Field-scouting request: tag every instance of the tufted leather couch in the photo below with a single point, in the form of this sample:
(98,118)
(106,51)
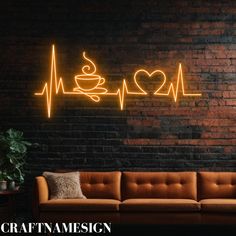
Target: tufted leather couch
(144,197)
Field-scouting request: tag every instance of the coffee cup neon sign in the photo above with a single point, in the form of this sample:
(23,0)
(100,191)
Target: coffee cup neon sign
(91,84)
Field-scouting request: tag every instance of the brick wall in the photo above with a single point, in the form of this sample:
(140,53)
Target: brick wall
(152,133)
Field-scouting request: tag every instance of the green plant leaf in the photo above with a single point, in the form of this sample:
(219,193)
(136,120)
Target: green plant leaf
(26,143)
(16,146)
(14,134)
(13,150)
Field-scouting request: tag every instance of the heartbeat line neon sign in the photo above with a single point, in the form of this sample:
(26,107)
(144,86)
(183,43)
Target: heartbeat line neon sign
(91,84)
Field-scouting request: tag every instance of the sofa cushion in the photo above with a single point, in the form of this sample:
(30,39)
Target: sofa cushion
(216,185)
(163,205)
(172,185)
(80,205)
(102,185)
(64,185)
(218,205)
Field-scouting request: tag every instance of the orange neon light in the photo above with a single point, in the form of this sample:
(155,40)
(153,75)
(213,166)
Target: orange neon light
(90,84)
(180,82)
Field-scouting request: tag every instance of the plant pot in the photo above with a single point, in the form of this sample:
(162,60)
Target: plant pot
(12,185)
(17,188)
(3,185)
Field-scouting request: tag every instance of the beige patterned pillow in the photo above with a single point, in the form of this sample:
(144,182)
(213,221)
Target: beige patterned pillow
(64,185)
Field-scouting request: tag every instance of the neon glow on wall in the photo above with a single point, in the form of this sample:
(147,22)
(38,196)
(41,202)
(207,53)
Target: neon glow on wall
(91,85)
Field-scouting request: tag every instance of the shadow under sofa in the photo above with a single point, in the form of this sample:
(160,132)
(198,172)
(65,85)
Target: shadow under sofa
(144,197)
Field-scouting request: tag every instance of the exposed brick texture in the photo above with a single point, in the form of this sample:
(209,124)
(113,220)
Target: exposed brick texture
(152,133)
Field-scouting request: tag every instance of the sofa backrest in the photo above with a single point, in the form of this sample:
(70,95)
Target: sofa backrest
(101,184)
(216,185)
(159,185)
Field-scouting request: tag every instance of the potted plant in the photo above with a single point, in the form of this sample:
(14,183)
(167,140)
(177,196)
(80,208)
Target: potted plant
(13,150)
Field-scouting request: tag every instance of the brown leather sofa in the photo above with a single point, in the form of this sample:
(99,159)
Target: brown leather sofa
(144,197)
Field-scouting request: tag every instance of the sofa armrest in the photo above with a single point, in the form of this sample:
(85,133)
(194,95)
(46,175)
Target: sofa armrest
(41,194)
(41,189)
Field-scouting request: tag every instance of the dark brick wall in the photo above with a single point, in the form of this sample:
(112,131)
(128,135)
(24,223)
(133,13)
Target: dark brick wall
(152,133)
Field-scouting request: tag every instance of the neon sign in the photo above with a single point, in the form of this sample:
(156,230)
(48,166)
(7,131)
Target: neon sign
(91,84)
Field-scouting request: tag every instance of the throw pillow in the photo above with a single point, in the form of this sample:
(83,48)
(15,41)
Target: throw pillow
(64,185)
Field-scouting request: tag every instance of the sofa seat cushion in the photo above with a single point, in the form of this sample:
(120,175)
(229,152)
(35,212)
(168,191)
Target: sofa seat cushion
(218,205)
(80,205)
(162,205)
